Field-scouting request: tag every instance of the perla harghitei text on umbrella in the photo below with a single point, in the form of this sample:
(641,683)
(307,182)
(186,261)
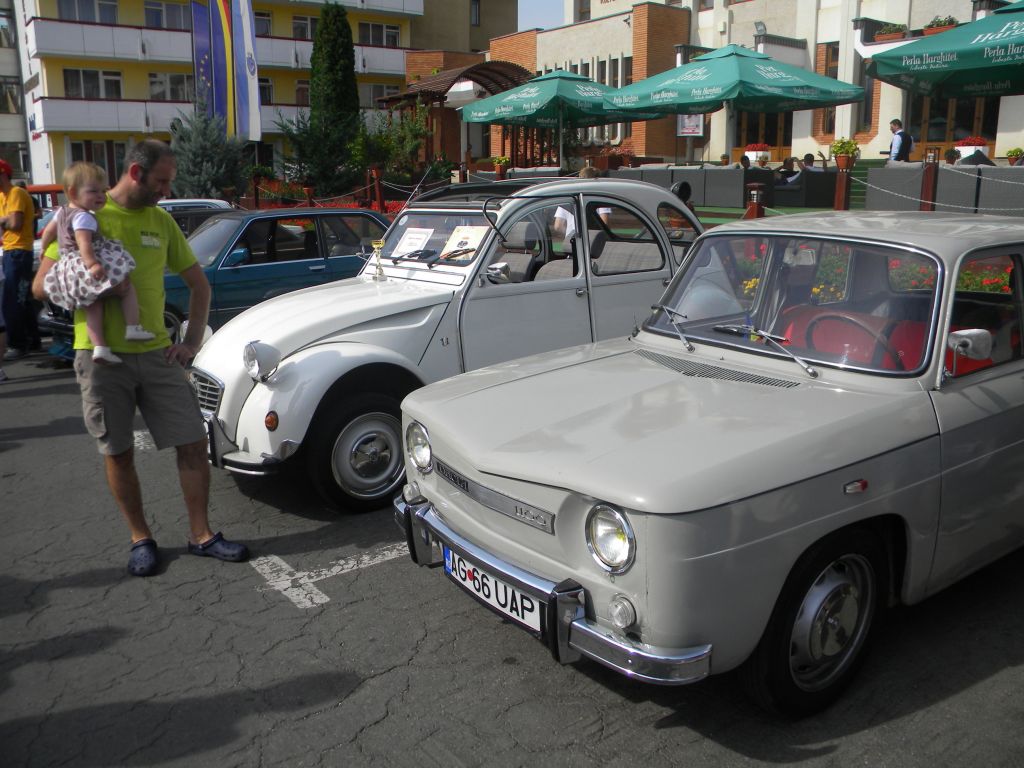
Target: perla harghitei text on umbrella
(557,99)
(982,58)
(746,79)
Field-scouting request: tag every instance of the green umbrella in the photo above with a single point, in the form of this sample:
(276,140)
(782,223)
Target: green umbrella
(982,58)
(739,76)
(553,100)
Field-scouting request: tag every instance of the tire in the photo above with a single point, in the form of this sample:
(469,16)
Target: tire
(355,459)
(818,633)
(172,322)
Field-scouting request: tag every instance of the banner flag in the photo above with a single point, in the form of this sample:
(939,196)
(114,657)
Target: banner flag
(223,63)
(202,53)
(247,83)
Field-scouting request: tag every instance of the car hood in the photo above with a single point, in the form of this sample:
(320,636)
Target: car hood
(617,423)
(294,320)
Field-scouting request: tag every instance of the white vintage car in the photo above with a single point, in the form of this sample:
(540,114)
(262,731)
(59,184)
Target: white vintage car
(824,416)
(474,275)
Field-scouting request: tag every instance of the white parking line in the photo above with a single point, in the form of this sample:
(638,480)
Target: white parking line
(298,587)
(144,440)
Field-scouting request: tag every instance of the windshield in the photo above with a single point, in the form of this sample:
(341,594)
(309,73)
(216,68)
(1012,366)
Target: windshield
(433,239)
(209,240)
(848,304)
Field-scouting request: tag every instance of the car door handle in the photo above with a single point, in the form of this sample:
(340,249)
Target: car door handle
(581,291)
(317,268)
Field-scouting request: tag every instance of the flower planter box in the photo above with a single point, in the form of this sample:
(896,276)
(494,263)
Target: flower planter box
(843,162)
(967,151)
(936,30)
(885,37)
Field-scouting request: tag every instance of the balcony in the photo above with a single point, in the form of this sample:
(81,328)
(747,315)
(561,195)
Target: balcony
(76,115)
(271,114)
(372,60)
(52,37)
(286,53)
(401,7)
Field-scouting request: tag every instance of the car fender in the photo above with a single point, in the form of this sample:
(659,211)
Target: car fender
(299,386)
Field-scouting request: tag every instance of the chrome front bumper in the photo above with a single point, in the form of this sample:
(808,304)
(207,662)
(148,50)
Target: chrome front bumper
(567,631)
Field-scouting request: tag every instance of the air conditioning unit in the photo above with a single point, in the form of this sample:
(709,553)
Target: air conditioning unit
(721,28)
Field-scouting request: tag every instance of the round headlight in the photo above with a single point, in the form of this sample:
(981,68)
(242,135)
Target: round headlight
(260,360)
(610,539)
(417,443)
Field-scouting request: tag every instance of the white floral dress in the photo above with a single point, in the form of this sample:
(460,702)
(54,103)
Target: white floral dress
(68,284)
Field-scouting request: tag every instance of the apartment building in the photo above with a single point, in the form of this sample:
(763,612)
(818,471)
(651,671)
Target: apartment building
(13,135)
(99,75)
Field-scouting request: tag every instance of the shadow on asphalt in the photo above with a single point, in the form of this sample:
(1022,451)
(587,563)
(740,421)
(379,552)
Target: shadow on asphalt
(145,732)
(24,596)
(65,647)
(920,656)
(290,492)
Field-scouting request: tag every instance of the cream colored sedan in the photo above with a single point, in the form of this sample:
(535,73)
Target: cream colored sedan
(821,417)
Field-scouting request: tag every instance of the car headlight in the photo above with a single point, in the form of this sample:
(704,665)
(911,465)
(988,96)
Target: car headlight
(610,539)
(260,360)
(417,444)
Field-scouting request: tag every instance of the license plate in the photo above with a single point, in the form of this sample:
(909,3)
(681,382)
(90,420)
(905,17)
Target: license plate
(506,600)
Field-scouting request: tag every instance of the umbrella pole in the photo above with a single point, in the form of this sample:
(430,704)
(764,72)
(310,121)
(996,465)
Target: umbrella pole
(561,159)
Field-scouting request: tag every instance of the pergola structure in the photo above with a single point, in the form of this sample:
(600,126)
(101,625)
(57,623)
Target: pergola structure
(524,146)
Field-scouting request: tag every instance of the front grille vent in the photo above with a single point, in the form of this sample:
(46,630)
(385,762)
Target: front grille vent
(705,371)
(208,391)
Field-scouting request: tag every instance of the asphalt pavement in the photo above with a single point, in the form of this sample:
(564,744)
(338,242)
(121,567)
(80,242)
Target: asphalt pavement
(332,649)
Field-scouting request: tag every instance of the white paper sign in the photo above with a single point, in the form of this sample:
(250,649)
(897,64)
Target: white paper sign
(413,239)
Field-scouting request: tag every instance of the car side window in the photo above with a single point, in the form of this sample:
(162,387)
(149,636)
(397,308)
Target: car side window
(679,229)
(346,235)
(294,239)
(988,296)
(256,240)
(620,242)
(539,245)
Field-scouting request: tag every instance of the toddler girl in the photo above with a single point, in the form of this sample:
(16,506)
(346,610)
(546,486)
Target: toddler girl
(90,265)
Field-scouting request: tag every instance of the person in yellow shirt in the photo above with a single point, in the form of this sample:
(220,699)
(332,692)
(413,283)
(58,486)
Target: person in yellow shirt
(17,221)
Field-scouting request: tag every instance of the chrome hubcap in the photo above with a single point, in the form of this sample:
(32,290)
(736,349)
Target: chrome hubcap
(832,622)
(367,460)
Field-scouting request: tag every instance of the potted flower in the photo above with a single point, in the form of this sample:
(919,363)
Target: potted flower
(501,163)
(844,152)
(971,144)
(940,24)
(758,152)
(890,32)
(1014,155)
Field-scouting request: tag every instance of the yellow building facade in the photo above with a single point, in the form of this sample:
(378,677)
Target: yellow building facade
(100,75)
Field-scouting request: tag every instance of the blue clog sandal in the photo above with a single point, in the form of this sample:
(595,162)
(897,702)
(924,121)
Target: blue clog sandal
(144,558)
(222,549)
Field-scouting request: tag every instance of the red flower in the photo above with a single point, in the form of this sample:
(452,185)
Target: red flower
(971,141)
(894,263)
(1006,289)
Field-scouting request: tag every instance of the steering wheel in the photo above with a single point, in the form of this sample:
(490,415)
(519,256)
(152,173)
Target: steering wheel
(879,338)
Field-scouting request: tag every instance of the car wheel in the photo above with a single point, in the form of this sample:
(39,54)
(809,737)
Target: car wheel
(818,632)
(172,322)
(355,459)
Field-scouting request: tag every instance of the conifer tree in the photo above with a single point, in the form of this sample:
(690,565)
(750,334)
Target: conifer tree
(208,162)
(321,142)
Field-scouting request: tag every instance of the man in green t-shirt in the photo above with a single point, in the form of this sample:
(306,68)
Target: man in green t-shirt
(151,376)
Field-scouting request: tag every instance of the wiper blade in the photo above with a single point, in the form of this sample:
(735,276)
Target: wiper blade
(456,253)
(672,314)
(422,254)
(773,339)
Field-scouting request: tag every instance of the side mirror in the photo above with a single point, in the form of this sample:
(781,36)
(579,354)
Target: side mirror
(973,343)
(499,273)
(237,258)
